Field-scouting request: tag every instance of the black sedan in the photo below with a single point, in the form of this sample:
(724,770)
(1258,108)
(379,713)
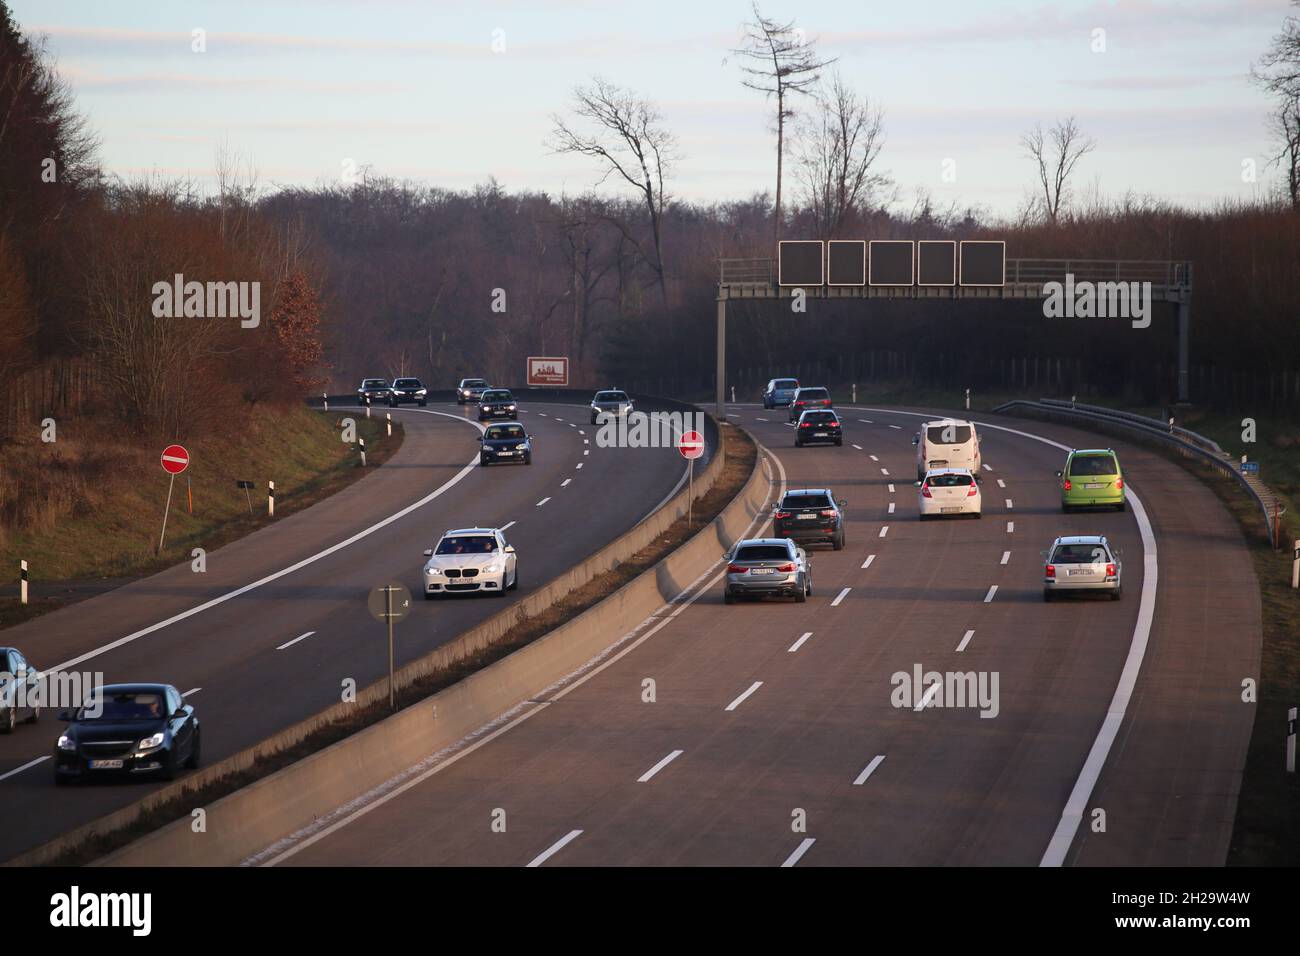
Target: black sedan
(128,730)
(407,390)
(497,403)
(505,443)
(372,391)
(810,515)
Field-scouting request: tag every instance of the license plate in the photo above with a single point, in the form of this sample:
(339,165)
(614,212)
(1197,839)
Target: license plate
(1082,571)
(820,434)
(807,517)
(949,511)
(760,570)
(106,765)
(1093,486)
(505,454)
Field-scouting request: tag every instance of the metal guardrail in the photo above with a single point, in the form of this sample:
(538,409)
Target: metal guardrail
(1188,443)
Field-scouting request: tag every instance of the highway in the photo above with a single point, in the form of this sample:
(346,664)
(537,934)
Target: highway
(268,634)
(772,739)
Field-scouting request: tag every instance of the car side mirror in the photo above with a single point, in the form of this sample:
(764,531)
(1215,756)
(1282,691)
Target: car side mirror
(842,502)
(1058,474)
(915,440)
(180,713)
(510,549)
(917,484)
(428,552)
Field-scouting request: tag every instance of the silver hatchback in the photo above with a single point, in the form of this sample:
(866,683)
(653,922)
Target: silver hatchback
(759,567)
(1084,562)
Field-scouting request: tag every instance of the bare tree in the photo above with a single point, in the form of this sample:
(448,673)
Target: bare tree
(1056,152)
(633,144)
(780,62)
(1285,127)
(841,146)
(1278,70)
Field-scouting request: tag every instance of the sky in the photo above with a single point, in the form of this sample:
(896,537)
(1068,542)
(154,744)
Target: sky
(450,94)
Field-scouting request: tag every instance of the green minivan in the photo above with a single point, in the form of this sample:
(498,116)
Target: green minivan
(1092,478)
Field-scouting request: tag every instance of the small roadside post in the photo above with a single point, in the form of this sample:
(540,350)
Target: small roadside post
(691,446)
(388,422)
(367,406)
(968,399)
(362,443)
(248,493)
(390,603)
(270,499)
(1295,564)
(22,581)
(325,400)
(175,459)
(1290,740)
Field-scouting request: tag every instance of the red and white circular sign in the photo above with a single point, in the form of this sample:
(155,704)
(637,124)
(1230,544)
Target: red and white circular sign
(175,459)
(691,445)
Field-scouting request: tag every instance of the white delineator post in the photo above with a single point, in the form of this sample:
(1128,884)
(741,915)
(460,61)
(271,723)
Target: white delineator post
(388,420)
(325,400)
(270,498)
(362,443)
(1290,740)
(1295,564)
(855,393)
(367,406)
(968,399)
(22,581)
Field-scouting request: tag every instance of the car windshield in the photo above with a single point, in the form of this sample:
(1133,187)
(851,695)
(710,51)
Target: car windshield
(948,434)
(496,396)
(821,418)
(786,383)
(1086,465)
(474,383)
(132,706)
(1079,554)
(763,552)
(948,481)
(505,431)
(611,397)
(374,383)
(816,394)
(806,501)
(407,383)
(467,544)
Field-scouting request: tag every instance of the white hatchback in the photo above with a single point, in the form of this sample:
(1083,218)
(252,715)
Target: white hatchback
(948,491)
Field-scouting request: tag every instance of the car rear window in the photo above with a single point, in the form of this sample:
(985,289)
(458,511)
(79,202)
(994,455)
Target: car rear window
(821,418)
(948,481)
(816,394)
(763,552)
(1088,465)
(786,383)
(1079,554)
(940,434)
(505,431)
(806,501)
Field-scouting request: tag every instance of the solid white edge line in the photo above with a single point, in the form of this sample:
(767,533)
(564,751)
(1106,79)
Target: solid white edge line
(26,766)
(300,637)
(659,766)
(741,699)
(876,761)
(799,643)
(555,848)
(800,850)
(840,597)
(964,641)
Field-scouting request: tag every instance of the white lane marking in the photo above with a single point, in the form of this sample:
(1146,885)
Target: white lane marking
(26,766)
(884,471)
(586,451)
(988,598)
(840,597)
(987,468)
(192,690)
(555,848)
(741,699)
(579,464)
(565,482)
(543,414)
(876,761)
(1001,483)
(659,766)
(542,502)
(924,702)
(873,457)
(799,643)
(859,448)
(390,790)
(891,487)
(964,641)
(884,531)
(756,418)
(899,427)
(1009,505)
(866,421)
(1011,527)
(507,526)
(800,850)
(300,637)
(1072,814)
(891,507)
(1006,556)
(582,432)
(867,563)
(297,566)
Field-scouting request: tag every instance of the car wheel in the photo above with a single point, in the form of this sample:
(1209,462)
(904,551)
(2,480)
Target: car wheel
(483,461)
(1047,595)
(10,721)
(36,715)
(424,403)
(978,515)
(60,780)
(192,761)
(728,597)
(528,459)
(801,595)
(514,582)
(168,771)
(838,542)
(798,443)
(1116,594)
(839,442)
(1065,509)
(1122,506)
(428,595)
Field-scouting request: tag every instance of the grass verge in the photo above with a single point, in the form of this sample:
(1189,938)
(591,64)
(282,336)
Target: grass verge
(741,453)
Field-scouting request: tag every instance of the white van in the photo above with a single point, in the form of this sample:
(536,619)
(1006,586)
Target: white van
(947,443)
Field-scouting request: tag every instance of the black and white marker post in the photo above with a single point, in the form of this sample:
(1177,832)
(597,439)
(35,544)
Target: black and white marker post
(1290,740)
(362,443)
(270,498)
(1295,564)
(22,581)
(388,419)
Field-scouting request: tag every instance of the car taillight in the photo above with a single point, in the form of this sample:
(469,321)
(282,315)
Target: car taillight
(1110,570)
(1051,571)
(925,492)
(828,514)
(1068,486)
(805,424)
(974,490)
(736,569)
(781,515)
(1119,482)
(786,568)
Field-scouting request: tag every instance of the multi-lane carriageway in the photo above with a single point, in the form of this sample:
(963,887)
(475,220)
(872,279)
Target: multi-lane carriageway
(771,714)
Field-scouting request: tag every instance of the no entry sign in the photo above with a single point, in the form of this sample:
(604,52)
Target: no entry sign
(175,459)
(691,445)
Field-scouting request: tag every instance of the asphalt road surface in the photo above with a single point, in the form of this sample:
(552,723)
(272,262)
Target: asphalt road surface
(772,739)
(267,635)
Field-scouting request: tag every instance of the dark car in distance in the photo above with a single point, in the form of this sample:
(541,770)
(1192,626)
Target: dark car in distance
(128,730)
(407,390)
(497,403)
(17,702)
(780,391)
(808,399)
(505,443)
(810,515)
(815,427)
(372,390)
(469,390)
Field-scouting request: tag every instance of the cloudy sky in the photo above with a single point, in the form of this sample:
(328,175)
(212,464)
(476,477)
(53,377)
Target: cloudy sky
(416,89)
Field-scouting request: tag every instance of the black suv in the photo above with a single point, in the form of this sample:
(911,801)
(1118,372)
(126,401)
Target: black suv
(808,399)
(407,390)
(497,403)
(810,515)
(817,427)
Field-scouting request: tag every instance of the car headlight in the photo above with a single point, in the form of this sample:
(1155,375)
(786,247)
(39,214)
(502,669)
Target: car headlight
(521,447)
(422,391)
(67,743)
(511,407)
(149,743)
(432,572)
(492,569)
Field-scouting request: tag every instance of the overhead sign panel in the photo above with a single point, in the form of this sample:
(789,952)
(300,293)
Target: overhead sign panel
(983,263)
(801,262)
(936,262)
(846,262)
(892,262)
